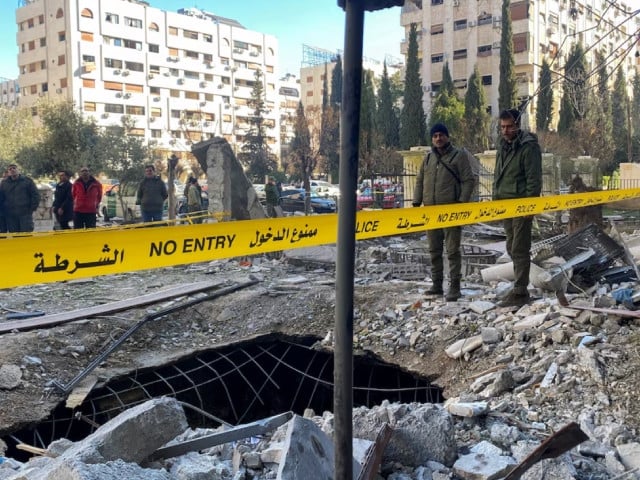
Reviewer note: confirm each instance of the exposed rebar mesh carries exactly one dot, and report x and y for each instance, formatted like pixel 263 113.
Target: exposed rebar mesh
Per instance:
pixel 237 384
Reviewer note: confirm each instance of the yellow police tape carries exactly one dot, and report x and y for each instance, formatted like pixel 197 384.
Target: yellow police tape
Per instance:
pixel 67 255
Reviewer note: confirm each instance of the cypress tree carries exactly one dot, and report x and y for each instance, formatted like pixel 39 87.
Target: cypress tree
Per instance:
pixel 635 117
pixel 507 92
pixel 387 119
pixel 336 83
pixel 368 137
pixel 619 116
pixel 544 110
pixel 476 117
pixel 324 118
pixel 446 85
pixel 412 118
pixel 575 94
pixel 303 160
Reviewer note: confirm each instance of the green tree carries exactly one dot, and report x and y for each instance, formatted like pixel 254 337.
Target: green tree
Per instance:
pixel 598 129
pixel 68 141
pixel 388 124
pixel 575 94
pixel 303 159
pixel 635 117
pixel 447 108
pixel 18 132
pixel 331 159
pixel 256 155
pixel 412 119
pixel 336 83
pixel 544 110
pixel 620 108
pixel 507 90
pixel 476 118
pixel 447 86
pixel 121 154
pixel 368 132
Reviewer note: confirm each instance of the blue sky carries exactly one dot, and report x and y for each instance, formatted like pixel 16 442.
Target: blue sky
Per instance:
pixel 319 23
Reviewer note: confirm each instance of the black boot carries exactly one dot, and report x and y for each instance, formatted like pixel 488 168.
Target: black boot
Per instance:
pixel 436 288
pixel 454 291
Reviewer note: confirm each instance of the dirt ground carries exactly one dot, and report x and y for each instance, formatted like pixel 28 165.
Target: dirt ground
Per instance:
pixel 276 304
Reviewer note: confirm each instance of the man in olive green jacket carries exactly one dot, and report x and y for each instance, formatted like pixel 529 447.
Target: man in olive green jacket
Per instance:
pixel 518 174
pixel 444 177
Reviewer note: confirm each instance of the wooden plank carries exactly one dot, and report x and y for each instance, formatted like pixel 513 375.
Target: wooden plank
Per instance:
pixel 107 308
pixel 610 311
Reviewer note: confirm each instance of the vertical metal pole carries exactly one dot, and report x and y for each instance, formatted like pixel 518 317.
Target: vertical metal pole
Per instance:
pixel 343 331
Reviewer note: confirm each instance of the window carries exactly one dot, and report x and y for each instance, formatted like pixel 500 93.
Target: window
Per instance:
pixel 156 112
pixel 175 113
pixel 117 86
pixel 33 89
pixel 112 63
pixel 520 42
pixel 207 57
pixel 153 48
pixel 40 19
pixel 156 133
pixel 133 44
pixel 460 24
pixel 134 66
pixel 32 45
pixel 437 58
pixel 153 26
pixel 154 68
pixel 88 83
pixel 133 88
pixel 208 77
pixel 240 45
pixel 460 54
pixel 174 93
pixel 88 59
pixel 62 36
pixel 484 50
pixel 437 2
pixel 190 34
pixel 437 29
pixel 207 38
pixel 89 106
pixel 87 36
pixel 32 67
pixel 486 80
pixel 154 90
pixel 269 68
pixel 191 75
pixel 43 42
pixel 30 23
pixel 133 22
pixel 519 11
pixel 63 83
pixel 192 95
pixel 174 72
pixel 113 108
pixel 484 19
pixel 310 93
pixel 59 13
pixel 173 31
pixel 191 54
pixel 112 18
pixel 61 60
pixel 43 64
pixel 208 97
pixel 135 110
pixel 224 61
pixel 86 13
pixel 173 52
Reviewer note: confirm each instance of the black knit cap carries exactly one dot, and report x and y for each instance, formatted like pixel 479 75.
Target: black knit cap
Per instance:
pixel 439 128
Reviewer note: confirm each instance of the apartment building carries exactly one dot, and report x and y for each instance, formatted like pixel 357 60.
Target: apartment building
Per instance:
pixel 9 93
pixel 181 76
pixel 289 97
pixel 466 33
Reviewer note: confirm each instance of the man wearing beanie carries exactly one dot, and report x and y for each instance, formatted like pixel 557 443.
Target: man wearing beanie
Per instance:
pixel 518 174
pixel 445 176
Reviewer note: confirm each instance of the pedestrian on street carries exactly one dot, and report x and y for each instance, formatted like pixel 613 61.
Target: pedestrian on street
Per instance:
pixel 445 176
pixel 21 199
pixel 194 199
pixel 87 194
pixel 62 207
pixel 272 197
pixel 3 217
pixel 518 174
pixel 151 195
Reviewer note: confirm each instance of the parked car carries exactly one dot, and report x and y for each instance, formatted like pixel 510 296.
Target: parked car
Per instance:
pixel 325 189
pixel 260 193
pixel 292 200
pixel 111 207
pixel 366 199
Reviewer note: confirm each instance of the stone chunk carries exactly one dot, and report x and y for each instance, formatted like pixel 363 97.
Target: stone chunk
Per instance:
pixel 464 345
pixel 478 466
pixel 10 376
pixel 467 409
pixel 630 455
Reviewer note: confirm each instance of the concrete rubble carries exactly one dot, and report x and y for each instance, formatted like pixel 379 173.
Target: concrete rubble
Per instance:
pixel 546 365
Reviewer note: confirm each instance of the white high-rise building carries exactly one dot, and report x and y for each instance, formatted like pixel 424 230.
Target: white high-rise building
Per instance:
pixel 466 33
pixel 181 76
pixel 9 93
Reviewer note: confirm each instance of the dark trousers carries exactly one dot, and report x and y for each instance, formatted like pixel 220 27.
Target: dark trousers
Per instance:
pixel 440 239
pixel 84 220
pixel 20 223
pixel 64 222
pixel 518 232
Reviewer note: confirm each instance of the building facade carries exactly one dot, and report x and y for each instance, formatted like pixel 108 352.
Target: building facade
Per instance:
pixel 9 93
pixel 466 33
pixel 180 76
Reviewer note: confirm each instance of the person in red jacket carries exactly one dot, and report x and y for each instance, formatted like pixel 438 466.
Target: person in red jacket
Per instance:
pixel 87 193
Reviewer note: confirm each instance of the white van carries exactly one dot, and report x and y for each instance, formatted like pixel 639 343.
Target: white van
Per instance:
pixel 325 189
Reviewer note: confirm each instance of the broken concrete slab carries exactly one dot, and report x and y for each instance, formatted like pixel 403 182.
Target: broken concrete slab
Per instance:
pixel 478 466
pixel 116 470
pixel 10 377
pixel 630 456
pixel 308 452
pixel 134 434
pixel 464 345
